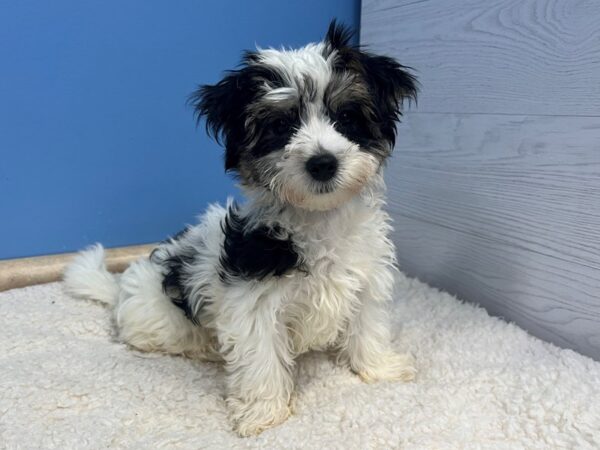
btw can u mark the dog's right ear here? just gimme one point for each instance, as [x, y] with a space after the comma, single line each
[222, 106]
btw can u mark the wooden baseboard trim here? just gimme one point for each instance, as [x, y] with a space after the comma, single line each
[21, 272]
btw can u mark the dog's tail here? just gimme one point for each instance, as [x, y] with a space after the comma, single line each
[87, 277]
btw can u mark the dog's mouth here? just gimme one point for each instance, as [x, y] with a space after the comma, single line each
[325, 188]
[320, 198]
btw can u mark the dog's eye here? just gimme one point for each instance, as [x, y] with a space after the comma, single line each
[347, 116]
[281, 125]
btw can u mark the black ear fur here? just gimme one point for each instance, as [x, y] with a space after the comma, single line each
[223, 105]
[338, 36]
[220, 105]
[391, 84]
[392, 79]
[210, 101]
[389, 81]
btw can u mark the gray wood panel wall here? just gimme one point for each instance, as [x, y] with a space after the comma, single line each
[495, 182]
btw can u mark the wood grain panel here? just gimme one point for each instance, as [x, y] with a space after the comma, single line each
[507, 56]
[506, 280]
[505, 211]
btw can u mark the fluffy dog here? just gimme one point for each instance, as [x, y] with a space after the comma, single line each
[305, 263]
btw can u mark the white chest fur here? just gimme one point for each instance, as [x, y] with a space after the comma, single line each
[340, 255]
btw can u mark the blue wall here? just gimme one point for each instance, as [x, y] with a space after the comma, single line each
[96, 142]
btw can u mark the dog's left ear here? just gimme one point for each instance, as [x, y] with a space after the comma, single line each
[391, 84]
[389, 81]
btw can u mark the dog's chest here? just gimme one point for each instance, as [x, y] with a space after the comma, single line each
[320, 301]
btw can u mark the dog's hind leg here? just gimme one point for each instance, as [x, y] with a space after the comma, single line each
[147, 319]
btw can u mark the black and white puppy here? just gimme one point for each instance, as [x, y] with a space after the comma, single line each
[306, 262]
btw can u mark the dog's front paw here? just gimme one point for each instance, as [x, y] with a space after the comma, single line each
[252, 418]
[392, 366]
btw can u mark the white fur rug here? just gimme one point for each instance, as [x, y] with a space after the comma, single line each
[483, 383]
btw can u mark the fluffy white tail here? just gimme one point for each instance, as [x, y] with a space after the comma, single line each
[87, 277]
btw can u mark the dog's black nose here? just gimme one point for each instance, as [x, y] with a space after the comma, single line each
[322, 167]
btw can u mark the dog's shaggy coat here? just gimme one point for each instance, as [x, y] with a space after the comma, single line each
[305, 263]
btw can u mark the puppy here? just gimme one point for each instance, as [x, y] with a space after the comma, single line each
[305, 263]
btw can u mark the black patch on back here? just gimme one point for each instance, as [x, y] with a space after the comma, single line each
[254, 254]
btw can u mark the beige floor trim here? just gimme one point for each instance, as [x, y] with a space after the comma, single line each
[16, 273]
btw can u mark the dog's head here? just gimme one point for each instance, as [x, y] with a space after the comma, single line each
[312, 126]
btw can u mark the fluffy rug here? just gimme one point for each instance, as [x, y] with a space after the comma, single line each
[65, 383]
